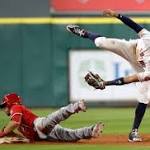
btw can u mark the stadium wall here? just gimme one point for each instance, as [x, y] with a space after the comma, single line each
[34, 58]
[34, 49]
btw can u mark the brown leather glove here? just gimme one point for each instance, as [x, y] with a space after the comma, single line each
[95, 81]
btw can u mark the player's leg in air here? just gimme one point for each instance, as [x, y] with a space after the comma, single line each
[117, 46]
[124, 48]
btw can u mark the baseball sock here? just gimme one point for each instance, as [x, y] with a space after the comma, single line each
[139, 113]
[90, 35]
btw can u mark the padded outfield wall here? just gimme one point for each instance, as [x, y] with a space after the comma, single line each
[34, 54]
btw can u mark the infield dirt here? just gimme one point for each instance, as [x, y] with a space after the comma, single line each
[107, 140]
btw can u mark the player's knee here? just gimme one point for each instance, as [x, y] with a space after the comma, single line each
[99, 41]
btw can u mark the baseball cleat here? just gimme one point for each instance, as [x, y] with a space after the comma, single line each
[81, 105]
[75, 29]
[97, 129]
[134, 136]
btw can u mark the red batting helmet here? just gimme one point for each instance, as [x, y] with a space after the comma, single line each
[10, 99]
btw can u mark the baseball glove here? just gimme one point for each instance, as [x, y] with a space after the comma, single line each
[94, 80]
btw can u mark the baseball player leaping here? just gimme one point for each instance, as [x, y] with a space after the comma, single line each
[136, 52]
[45, 128]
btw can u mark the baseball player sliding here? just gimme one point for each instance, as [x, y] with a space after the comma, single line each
[136, 52]
[36, 128]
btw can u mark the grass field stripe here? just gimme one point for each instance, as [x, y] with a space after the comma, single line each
[70, 20]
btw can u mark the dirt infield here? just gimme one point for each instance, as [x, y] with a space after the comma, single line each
[107, 139]
[117, 139]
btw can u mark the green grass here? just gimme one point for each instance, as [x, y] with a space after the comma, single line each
[116, 120]
[70, 147]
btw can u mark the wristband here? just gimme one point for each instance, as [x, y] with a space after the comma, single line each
[119, 81]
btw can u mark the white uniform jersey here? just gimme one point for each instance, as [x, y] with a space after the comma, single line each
[143, 49]
[137, 53]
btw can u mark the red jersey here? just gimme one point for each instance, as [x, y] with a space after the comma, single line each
[25, 118]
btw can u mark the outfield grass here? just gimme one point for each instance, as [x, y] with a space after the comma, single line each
[71, 147]
[116, 120]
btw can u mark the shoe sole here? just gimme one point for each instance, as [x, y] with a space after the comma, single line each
[68, 27]
[101, 127]
[138, 140]
[98, 131]
[82, 105]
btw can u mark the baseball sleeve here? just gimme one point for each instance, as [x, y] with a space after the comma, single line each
[16, 114]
